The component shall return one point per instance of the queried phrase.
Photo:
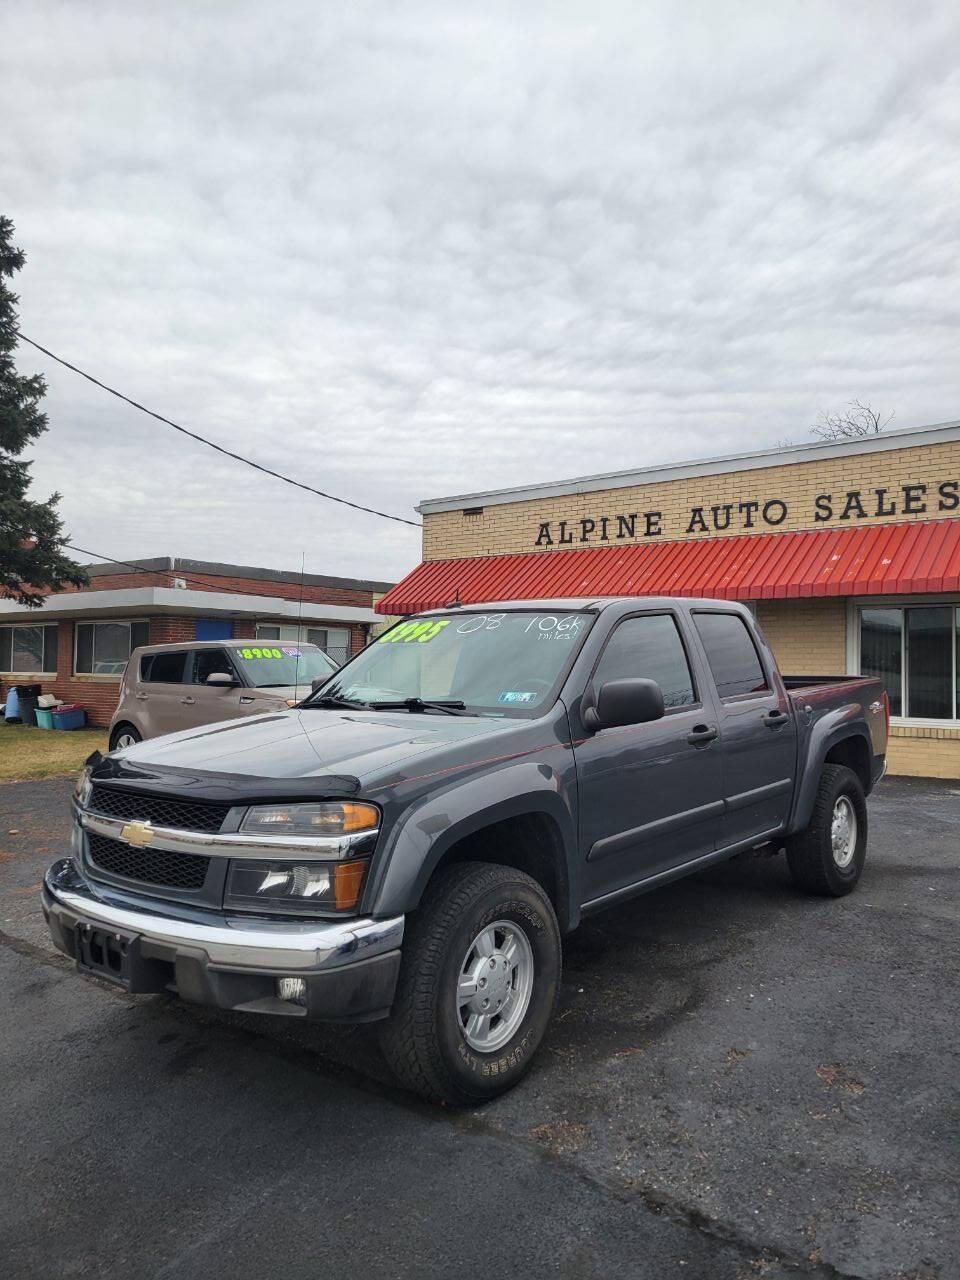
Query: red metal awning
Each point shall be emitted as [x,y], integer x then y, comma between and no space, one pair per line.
[885,559]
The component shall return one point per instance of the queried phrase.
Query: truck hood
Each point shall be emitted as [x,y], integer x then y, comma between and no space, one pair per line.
[310,743]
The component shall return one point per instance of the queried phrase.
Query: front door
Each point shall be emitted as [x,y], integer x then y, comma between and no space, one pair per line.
[160,691]
[650,794]
[209,703]
[758,727]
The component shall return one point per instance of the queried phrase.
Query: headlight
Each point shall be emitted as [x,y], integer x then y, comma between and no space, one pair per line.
[295,888]
[331,818]
[81,792]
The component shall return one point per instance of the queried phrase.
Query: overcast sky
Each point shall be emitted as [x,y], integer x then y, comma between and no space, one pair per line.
[416,249]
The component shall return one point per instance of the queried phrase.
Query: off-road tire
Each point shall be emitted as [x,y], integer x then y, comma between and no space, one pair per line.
[423,1040]
[810,853]
[122,729]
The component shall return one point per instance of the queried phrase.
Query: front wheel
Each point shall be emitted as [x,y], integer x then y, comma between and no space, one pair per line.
[479,983]
[827,857]
[123,736]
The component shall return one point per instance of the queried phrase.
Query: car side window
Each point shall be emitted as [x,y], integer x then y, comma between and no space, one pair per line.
[208,662]
[163,668]
[731,653]
[649,647]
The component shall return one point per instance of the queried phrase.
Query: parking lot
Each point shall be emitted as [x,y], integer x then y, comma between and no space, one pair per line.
[742,1082]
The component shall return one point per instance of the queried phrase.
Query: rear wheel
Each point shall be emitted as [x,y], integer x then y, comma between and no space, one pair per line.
[124,735]
[827,857]
[478,985]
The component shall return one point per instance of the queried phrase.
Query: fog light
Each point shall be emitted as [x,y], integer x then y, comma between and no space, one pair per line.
[293,990]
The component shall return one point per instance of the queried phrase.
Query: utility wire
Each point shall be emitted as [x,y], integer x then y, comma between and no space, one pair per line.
[180,573]
[237,457]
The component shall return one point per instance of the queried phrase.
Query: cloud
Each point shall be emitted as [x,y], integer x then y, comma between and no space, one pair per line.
[411,250]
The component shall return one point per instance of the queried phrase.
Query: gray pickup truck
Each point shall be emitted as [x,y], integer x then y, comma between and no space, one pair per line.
[413,840]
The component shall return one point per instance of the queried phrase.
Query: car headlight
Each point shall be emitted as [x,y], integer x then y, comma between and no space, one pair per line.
[329,818]
[295,888]
[83,787]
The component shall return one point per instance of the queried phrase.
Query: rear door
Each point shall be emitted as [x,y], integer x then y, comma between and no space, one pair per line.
[650,794]
[757,725]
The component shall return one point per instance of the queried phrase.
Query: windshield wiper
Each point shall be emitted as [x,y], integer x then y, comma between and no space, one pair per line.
[451,707]
[330,700]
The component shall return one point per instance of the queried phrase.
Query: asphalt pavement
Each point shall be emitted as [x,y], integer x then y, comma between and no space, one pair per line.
[741,1082]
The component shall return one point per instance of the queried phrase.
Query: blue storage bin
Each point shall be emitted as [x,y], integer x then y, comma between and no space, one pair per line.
[69,719]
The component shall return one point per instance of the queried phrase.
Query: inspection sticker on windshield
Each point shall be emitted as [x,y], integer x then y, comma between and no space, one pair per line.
[290,653]
[414,632]
[516,696]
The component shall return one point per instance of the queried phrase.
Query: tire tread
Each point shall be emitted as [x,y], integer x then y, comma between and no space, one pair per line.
[408,1038]
[805,854]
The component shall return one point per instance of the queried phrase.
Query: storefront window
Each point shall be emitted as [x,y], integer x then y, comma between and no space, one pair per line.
[881,651]
[913,651]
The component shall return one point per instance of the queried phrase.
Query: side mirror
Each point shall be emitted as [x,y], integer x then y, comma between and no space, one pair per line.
[623,702]
[222,680]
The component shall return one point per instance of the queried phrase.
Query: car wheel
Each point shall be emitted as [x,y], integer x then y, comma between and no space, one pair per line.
[478,985]
[827,857]
[123,736]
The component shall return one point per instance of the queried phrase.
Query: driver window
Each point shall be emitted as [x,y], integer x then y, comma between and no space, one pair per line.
[649,647]
[207,662]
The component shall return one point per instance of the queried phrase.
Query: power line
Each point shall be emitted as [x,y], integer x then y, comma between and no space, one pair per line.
[179,573]
[237,457]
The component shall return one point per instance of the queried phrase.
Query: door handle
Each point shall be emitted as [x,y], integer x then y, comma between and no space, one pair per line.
[701,734]
[244,701]
[775,718]
[142,697]
[188,702]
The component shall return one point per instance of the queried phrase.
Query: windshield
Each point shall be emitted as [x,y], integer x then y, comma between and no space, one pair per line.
[496,663]
[275,666]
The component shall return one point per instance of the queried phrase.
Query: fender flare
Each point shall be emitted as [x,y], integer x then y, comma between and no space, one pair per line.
[836,726]
[426,832]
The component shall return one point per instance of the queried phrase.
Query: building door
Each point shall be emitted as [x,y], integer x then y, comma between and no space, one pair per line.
[214,629]
[650,794]
[758,729]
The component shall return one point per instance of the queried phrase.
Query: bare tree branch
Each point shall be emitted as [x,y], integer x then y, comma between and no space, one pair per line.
[856,420]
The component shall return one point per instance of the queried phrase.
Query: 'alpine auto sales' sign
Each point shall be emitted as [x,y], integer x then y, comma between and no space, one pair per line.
[854,504]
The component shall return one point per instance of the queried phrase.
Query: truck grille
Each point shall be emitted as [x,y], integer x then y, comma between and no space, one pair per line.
[180,815]
[151,866]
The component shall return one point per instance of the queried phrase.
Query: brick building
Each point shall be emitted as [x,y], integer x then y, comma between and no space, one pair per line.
[77,644]
[848,553]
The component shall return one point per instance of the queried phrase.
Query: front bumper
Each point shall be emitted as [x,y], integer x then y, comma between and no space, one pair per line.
[348,968]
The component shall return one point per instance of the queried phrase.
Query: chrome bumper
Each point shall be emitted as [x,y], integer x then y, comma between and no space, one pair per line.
[350,966]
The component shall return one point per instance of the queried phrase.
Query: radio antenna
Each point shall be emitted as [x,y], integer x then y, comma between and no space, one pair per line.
[296,670]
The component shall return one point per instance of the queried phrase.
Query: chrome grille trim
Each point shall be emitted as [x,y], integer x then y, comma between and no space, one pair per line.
[234,844]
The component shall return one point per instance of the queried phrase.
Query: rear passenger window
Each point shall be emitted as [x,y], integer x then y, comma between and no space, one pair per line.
[649,647]
[731,653]
[163,668]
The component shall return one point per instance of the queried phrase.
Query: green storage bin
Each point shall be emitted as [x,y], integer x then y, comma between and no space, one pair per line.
[44,718]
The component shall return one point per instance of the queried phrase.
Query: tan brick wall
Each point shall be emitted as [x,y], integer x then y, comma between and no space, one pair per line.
[924,753]
[808,637]
[514,526]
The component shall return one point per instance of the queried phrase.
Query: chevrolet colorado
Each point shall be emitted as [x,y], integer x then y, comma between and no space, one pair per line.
[412,842]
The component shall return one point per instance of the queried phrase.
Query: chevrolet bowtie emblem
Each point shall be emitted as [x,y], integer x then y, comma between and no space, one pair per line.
[137,833]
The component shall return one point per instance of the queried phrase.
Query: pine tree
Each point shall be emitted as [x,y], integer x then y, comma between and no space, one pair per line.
[31,533]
